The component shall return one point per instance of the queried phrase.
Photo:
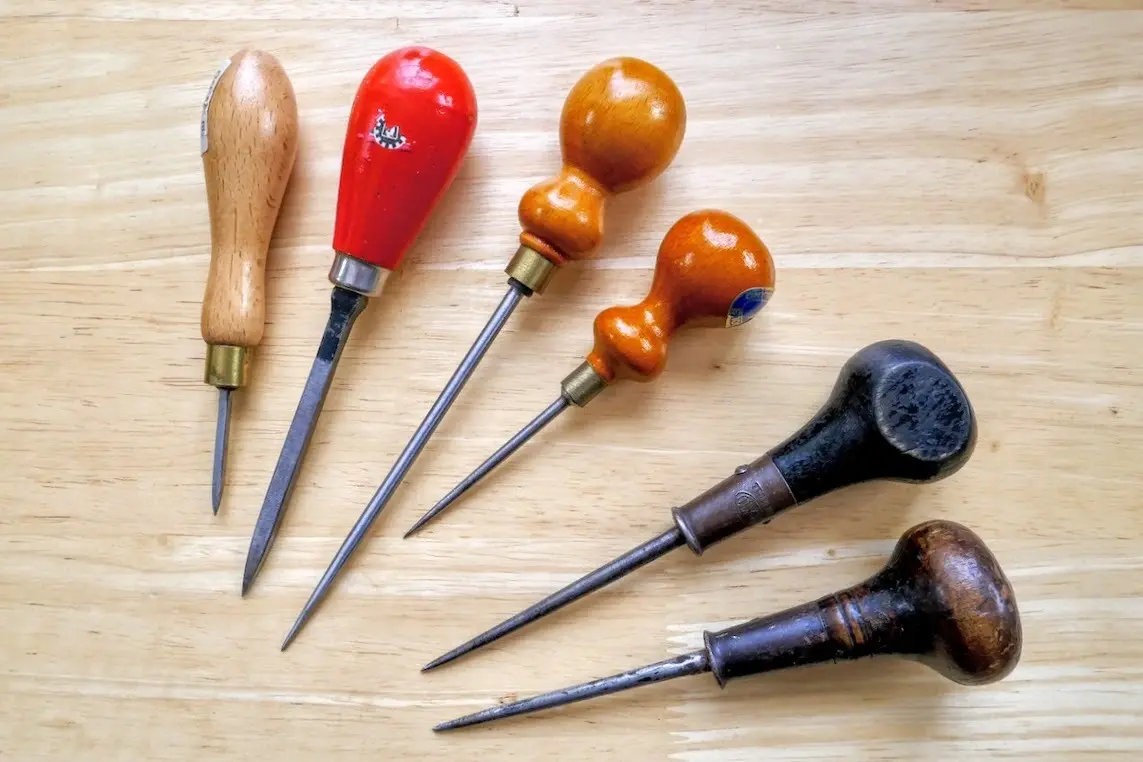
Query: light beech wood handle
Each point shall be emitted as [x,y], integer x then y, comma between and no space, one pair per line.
[249,143]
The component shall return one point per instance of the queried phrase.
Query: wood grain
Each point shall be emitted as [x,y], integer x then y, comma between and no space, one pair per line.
[972,181]
[941,599]
[249,143]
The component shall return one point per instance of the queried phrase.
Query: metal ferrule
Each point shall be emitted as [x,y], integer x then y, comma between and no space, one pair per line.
[531,268]
[356,275]
[582,384]
[753,494]
[226,366]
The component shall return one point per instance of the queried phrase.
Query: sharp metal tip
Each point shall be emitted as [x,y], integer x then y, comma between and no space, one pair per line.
[320,591]
[604,575]
[454,493]
[455,653]
[495,459]
[253,561]
[466,648]
[293,633]
[668,669]
[484,715]
[416,527]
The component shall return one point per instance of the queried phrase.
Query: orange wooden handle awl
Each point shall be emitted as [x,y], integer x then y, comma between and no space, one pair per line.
[711,269]
[622,124]
[249,137]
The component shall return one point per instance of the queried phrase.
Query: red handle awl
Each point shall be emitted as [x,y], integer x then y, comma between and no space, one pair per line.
[410,127]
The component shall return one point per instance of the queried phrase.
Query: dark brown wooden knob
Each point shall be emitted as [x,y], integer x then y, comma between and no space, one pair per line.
[968,624]
[942,599]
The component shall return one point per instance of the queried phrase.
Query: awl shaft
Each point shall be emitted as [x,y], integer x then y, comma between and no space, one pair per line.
[589,583]
[221,447]
[407,457]
[668,669]
[512,445]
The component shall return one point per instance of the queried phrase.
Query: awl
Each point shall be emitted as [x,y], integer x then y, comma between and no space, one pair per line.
[409,129]
[249,140]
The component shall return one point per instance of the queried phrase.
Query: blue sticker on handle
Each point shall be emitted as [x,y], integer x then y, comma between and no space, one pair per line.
[746,305]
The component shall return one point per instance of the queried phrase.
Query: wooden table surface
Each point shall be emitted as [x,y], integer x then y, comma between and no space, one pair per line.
[969,180]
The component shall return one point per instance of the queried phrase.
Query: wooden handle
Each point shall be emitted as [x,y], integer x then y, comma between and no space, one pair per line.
[896,412]
[409,130]
[711,268]
[249,142]
[622,124]
[941,599]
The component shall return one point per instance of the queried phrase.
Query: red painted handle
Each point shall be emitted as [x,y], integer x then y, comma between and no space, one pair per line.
[410,127]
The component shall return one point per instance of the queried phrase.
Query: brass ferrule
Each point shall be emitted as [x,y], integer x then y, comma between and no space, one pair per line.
[531,269]
[582,384]
[226,365]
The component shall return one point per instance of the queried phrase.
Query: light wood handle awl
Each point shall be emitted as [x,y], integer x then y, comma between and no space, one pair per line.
[249,137]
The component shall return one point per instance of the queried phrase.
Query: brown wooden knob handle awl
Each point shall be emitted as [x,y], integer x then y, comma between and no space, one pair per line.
[621,126]
[249,141]
[942,599]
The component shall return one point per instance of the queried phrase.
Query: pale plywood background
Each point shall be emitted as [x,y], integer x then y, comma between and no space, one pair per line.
[973,181]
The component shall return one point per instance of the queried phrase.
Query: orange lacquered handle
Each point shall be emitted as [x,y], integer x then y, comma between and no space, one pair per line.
[712,269]
[622,124]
